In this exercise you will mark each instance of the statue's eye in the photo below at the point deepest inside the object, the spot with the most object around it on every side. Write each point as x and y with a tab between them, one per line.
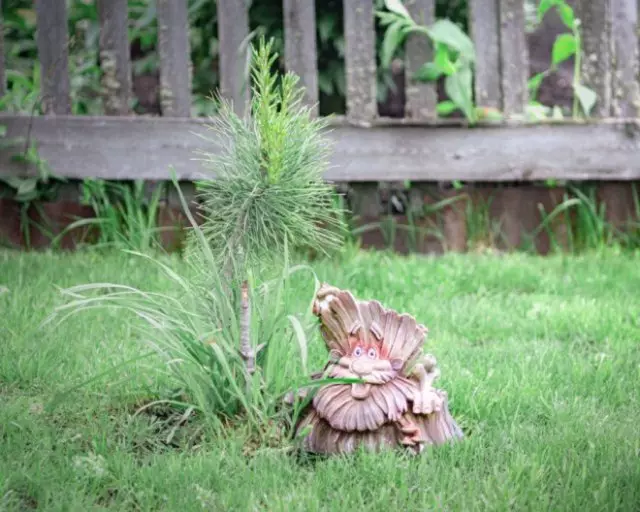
373	353
357	352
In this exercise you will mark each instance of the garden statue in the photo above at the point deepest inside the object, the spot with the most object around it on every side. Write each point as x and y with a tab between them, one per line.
395	404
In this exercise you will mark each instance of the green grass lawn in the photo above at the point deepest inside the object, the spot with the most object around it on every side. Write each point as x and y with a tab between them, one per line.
540	357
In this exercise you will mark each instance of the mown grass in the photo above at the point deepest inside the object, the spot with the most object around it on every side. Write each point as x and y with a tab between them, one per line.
539	356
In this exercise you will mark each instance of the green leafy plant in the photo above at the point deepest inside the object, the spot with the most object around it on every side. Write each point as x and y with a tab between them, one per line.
194	331
454	56
566	45
268	195
23	91
39	182
125	217
264	15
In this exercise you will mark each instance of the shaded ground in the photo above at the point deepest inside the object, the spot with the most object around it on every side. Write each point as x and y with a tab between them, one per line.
539	356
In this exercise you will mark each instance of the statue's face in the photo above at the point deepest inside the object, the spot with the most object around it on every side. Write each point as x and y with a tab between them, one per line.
366	359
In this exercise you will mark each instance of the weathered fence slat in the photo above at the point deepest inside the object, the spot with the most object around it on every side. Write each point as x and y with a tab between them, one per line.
365	200
115	60
421	97
53	54
300	46
360	61
595	20
233	36
626	88
485	31
141	147
175	58
514	57
3	83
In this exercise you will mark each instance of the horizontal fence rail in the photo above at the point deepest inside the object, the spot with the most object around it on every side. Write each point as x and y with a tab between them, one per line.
366	148
146	147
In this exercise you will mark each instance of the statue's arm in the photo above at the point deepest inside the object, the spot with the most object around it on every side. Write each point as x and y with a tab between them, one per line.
427	399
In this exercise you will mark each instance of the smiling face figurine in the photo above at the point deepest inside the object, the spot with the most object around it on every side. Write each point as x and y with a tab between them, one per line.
394	403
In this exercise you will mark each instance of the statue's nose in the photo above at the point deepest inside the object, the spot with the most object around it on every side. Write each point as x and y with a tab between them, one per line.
361	367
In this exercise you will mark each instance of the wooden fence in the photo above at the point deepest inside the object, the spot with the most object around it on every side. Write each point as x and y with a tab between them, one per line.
367	148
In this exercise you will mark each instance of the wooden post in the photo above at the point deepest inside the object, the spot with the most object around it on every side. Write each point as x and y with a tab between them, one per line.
595	20
360	61
233	34
514	59
3	83
115	61
53	53
485	32
365	199
626	88
625	102
421	97
175	58
300	46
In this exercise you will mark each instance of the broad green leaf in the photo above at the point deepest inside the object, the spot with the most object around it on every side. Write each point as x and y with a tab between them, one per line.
544	6
339	80
3	130
392	39
397	7
563	48
386	18
444	108
27	186
586	97
566	15
564	10
442	60
13	181
428	72
325	84
534	82
325	27
459	90
338	44
447	32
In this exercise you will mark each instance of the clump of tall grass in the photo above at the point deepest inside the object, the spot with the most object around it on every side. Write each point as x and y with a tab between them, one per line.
195	331
231	337
586	224
126	217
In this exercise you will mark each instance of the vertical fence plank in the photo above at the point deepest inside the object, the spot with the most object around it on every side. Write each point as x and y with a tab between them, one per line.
360	61
421	97
3	83
233	34
300	46
514	61
53	54
595	20
626	88
485	32
175	59
115	56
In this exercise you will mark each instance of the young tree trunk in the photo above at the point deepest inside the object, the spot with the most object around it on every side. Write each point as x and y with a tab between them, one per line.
246	350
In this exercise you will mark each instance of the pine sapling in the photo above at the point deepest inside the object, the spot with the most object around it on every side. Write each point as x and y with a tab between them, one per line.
268	192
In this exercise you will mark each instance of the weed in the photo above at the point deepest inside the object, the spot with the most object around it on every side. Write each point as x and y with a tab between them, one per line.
566	45
125	216
197	334
454	56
